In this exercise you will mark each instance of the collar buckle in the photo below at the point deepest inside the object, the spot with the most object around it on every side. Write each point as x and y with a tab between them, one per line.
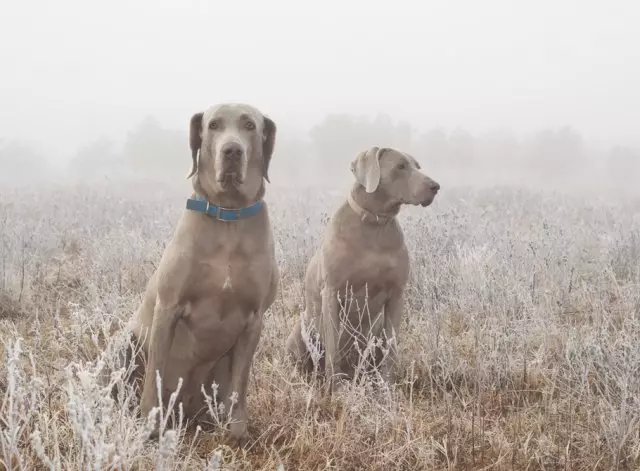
237	211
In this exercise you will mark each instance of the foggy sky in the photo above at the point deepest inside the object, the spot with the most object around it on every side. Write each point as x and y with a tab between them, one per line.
73	70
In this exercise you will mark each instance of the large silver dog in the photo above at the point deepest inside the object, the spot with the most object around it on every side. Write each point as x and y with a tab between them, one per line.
355	282
201	317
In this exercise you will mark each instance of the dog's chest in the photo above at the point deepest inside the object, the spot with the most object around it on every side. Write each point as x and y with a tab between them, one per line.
237	272
227	297
376	268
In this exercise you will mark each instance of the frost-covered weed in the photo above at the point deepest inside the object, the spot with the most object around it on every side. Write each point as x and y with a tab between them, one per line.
520	348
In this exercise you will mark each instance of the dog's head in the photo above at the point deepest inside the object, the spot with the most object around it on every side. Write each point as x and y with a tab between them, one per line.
395	176
231	148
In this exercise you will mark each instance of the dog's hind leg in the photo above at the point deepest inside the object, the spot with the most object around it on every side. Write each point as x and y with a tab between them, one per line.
299	351
163	329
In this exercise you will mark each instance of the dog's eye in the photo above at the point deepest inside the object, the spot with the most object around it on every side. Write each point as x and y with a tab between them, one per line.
250	125
401	166
213	125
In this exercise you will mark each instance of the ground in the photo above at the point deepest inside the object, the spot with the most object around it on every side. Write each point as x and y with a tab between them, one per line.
520	348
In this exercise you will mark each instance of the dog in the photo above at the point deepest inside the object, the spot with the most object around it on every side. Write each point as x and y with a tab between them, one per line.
202	312
355	281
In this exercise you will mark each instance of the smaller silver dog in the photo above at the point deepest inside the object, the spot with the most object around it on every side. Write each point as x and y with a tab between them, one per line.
363	257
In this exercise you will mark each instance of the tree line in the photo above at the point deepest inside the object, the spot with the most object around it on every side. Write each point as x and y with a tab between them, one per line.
550	156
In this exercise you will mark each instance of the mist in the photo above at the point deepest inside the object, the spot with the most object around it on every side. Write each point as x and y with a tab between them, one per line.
543	93
519	342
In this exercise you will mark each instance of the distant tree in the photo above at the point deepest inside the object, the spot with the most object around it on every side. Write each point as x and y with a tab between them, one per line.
403	135
382	129
291	161
461	150
336	134
498	145
334	143
153	151
435	141
498	153
623	164
21	159
340	137
433	145
96	159
556	154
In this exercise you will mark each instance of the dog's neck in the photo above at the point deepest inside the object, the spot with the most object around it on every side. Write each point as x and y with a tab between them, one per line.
371	206
233	198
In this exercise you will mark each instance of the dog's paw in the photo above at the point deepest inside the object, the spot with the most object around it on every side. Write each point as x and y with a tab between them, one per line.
336	386
152	425
239	434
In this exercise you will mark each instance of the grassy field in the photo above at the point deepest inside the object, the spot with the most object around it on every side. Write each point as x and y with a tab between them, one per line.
520	348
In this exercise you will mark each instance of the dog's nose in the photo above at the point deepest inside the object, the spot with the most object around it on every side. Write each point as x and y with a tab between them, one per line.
232	150
435	186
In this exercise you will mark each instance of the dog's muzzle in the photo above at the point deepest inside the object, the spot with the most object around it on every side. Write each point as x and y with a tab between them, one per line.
232	163
232	152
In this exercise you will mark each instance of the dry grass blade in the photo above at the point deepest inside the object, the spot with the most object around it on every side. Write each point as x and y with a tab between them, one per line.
520	349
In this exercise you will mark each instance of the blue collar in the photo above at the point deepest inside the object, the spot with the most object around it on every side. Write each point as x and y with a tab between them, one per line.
201	205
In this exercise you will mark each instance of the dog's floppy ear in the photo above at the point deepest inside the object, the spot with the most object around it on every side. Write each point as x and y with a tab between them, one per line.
268	144
366	168
195	140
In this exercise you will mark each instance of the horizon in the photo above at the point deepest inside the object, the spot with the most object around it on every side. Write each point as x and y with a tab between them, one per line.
98	70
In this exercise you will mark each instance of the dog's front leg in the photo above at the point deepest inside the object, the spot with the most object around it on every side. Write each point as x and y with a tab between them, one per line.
393	312
331	330
162	332
241	360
